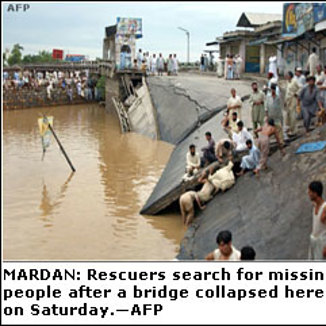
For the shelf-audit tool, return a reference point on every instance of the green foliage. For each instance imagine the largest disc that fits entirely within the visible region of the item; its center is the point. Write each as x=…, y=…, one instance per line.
x=4, y=59
x=42, y=57
x=100, y=85
x=15, y=56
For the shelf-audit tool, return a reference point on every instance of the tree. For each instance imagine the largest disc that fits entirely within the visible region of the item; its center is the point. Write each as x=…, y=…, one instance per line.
x=15, y=56
x=4, y=59
x=42, y=57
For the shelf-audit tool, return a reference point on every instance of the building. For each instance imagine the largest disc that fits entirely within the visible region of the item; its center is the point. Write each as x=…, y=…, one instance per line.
x=119, y=44
x=304, y=27
x=75, y=57
x=255, y=43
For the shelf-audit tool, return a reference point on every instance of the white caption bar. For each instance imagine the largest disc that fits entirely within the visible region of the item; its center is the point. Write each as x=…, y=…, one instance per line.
x=164, y=293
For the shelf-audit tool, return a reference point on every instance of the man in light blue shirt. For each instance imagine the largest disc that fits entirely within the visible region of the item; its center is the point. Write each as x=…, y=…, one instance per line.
x=251, y=161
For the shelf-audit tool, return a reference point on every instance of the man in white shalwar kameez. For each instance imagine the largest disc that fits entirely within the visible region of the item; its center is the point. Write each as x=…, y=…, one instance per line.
x=239, y=66
x=193, y=161
x=240, y=138
x=291, y=101
x=139, y=58
x=312, y=63
x=273, y=66
x=175, y=65
x=154, y=65
x=220, y=70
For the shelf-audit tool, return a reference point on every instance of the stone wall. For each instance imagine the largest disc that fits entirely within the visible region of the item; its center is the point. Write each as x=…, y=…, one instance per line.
x=14, y=99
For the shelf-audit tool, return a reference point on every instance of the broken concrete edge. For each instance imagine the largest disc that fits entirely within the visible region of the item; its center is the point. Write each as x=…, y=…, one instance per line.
x=157, y=206
x=158, y=133
x=168, y=199
x=205, y=118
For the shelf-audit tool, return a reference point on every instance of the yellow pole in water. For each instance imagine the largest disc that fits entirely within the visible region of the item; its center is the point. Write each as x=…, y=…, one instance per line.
x=61, y=147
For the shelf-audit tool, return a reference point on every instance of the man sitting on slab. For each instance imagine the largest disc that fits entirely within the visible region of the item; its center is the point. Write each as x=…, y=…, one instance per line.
x=193, y=161
x=251, y=161
x=241, y=137
x=224, y=150
x=208, y=151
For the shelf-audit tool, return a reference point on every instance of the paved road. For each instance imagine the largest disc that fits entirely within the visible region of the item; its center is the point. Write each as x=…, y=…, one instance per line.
x=186, y=100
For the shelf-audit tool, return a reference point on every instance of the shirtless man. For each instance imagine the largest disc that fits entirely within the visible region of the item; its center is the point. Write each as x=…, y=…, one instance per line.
x=266, y=132
x=187, y=206
x=201, y=197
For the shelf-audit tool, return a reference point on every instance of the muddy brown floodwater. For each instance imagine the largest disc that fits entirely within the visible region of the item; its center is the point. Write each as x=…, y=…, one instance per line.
x=51, y=214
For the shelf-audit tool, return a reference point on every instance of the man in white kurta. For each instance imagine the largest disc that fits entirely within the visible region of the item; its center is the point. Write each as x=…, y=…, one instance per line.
x=299, y=76
x=273, y=66
x=219, y=68
x=290, y=103
x=320, y=76
x=154, y=65
x=312, y=63
x=193, y=160
x=175, y=65
x=139, y=58
x=160, y=65
x=239, y=66
x=234, y=103
x=240, y=138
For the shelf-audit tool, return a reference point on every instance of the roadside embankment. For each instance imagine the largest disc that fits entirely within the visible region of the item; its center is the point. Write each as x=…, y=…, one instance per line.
x=24, y=98
x=272, y=213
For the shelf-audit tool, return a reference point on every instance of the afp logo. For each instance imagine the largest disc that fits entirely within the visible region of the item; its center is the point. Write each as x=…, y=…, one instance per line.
x=18, y=7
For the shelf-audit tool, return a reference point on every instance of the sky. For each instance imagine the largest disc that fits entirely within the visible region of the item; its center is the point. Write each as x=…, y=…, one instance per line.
x=78, y=28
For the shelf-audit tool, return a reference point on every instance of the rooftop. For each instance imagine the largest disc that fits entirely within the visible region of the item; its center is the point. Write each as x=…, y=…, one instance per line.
x=248, y=19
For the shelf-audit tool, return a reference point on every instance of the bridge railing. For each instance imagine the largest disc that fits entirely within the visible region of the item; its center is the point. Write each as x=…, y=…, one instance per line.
x=94, y=65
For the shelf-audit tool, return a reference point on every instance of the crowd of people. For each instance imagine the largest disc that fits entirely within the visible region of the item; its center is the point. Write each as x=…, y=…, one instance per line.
x=80, y=83
x=304, y=98
x=153, y=65
x=230, y=68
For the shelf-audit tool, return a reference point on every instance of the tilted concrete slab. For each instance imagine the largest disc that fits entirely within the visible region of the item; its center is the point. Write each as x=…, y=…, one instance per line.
x=271, y=213
x=184, y=102
x=170, y=186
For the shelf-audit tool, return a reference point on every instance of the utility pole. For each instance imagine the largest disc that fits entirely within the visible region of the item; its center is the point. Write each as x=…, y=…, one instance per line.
x=188, y=43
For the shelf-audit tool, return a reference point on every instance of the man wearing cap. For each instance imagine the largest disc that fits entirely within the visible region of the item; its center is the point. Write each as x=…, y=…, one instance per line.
x=299, y=76
x=291, y=100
